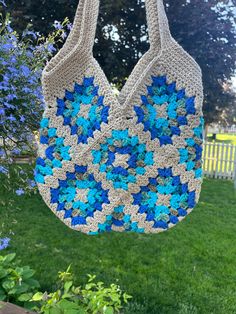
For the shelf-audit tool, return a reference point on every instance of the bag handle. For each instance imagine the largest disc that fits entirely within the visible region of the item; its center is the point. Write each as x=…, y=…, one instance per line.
x=72, y=38
x=158, y=26
x=75, y=32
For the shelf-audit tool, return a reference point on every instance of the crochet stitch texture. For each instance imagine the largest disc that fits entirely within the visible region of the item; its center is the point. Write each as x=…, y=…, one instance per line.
x=131, y=163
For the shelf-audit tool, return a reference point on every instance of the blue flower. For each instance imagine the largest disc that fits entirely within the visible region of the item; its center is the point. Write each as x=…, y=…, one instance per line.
x=10, y=97
x=25, y=70
x=29, y=33
x=3, y=170
x=22, y=118
x=8, y=46
x=4, y=243
x=20, y=192
x=11, y=118
x=57, y=25
x=69, y=26
x=31, y=183
x=16, y=151
x=51, y=48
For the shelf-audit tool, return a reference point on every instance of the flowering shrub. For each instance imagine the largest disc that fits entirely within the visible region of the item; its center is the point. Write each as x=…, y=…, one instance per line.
x=22, y=58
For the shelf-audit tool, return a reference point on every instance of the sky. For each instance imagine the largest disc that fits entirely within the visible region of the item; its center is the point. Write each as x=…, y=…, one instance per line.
x=234, y=82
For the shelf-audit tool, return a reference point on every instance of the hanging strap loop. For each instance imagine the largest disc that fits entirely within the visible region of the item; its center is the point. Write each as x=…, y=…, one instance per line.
x=157, y=22
x=89, y=23
x=72, y=39
x=76, y=29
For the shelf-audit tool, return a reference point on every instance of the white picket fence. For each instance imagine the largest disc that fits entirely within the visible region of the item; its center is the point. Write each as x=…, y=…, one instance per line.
x=219, y=160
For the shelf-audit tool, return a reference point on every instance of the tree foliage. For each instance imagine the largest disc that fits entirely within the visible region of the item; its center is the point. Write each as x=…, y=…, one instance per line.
x=206, y=29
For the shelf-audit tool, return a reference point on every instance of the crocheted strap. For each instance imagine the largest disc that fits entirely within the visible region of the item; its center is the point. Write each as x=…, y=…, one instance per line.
x=72, y=39
x=75, y=31
x=158, y=28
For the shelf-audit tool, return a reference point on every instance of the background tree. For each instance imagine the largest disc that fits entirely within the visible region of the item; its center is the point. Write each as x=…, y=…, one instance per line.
x=206, y=29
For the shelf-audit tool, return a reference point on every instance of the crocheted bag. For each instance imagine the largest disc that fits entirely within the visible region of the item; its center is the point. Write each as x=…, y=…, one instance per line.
x=131, y=163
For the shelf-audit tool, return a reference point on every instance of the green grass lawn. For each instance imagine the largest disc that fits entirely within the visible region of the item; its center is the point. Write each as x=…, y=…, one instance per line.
x=188, y=269
x=224, y=138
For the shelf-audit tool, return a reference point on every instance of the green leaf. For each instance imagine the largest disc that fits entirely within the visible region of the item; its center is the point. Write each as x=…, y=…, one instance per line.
x=55, y=310
x=25, y=297
x=19, y=289
x=126, y=297
x=8, y=285
x=89, y=286
x=27, y=272
x=3, y=273
x=19, y=270
x=9, y=258
x=76, y=290
x=68, y=285
x=70, y=307
x=108, y=310
x=32, y=283
x=91, y=277
x=67, y=295
x=37, y=296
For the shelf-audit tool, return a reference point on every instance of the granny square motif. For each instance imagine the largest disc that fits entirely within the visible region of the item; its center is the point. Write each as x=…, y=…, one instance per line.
x=131, y=163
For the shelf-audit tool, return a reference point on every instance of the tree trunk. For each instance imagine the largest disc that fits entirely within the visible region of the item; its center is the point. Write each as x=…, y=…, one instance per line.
x=205, y=132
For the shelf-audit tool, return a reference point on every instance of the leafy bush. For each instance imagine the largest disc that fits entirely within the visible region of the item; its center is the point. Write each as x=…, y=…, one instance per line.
x=94, y=298
x=16, y=282
x=18, y=286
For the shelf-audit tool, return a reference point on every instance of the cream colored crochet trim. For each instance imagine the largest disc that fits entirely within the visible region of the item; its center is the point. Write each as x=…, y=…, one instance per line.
x=75, y=61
